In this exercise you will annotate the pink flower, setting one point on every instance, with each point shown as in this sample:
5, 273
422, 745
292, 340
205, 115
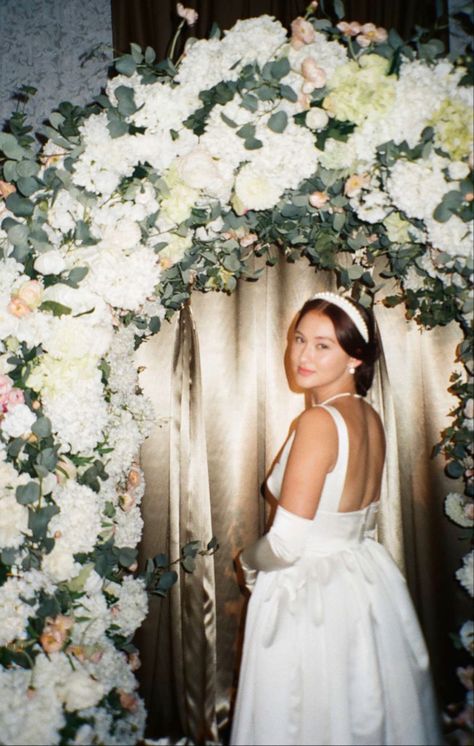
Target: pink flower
6, 189
17, 307
6, 385
128, 700
355, 183
302, 33
318, 199
188, 14
466, 676
15, 397
313, 73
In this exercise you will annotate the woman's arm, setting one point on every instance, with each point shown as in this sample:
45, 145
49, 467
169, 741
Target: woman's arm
313, 453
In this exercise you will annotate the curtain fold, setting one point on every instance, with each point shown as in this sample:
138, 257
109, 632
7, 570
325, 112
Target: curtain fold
193, 600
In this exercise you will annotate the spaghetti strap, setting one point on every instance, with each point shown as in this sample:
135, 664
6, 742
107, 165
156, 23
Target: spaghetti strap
335, 480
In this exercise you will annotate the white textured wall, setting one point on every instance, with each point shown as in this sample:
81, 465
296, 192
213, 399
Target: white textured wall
42, 43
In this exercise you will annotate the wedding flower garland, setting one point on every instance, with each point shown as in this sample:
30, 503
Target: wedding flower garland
338, 144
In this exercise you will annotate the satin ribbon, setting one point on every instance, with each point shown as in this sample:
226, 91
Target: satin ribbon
193, 599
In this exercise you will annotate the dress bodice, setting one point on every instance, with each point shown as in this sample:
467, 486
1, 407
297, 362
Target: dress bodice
332, 529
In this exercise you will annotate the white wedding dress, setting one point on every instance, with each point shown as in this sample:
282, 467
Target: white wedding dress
333, 652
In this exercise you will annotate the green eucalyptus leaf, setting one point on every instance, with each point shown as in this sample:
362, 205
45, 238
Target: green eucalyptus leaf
28, 493
253, 143
126, 65
188, 564
166, 581
339, 9
28, 185
18, 234
287, 92
19, 206
27, 168
278, 121
280, 68
247, 130
10, 171
11, 147
38, 521
250, 102
136, 52
42, 427
125, 101
150, 55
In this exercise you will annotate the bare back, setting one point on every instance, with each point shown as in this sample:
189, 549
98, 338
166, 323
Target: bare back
366, 454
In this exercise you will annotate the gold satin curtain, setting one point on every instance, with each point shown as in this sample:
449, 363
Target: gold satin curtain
241, 416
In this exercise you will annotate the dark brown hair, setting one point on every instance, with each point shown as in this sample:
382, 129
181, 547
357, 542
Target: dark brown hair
350, 338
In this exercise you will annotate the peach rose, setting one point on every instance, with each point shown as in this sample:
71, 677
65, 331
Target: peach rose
17, 307
6, 385
134, 661
6, 189
318, 199
134, 478
30, 293
128, 700
302, 33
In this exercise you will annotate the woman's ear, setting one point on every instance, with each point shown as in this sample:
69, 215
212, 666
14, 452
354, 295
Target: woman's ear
354, 363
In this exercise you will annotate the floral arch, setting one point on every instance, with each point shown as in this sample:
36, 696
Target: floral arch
340, 144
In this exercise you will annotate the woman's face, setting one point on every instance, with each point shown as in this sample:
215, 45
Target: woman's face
317, 359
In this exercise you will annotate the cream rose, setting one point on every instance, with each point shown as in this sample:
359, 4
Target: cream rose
316, 119
50, 263
254, 191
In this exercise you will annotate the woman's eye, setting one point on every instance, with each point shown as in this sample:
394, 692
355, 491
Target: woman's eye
298, 340
322, 346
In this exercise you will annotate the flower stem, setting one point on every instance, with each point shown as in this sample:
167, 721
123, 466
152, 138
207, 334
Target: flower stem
175, 39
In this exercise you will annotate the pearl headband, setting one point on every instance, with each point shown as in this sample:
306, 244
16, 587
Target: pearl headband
347, 307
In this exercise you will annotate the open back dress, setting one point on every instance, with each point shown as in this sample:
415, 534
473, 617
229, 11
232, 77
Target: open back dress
333, 652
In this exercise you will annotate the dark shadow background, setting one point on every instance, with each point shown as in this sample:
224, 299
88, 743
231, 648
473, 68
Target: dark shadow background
153, 22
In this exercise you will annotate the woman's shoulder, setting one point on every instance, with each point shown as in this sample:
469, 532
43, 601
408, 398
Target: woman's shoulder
315, 421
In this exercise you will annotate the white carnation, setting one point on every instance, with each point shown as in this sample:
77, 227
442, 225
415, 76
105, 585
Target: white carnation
254, 190
200, 171
465, 574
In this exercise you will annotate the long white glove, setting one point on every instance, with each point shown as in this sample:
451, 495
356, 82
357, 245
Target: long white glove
281, 547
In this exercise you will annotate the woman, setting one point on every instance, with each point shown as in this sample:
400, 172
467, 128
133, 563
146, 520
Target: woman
333, 651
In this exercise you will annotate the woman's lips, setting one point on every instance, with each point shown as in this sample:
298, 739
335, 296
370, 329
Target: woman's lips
305, 372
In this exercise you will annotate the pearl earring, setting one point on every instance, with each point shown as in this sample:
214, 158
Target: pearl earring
351, 370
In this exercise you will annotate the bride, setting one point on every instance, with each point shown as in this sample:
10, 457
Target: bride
333, 653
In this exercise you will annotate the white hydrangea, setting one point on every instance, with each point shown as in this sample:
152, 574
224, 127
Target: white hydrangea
128, 527
455, 237
112, 669
18, 421
465, 574
252, 40
104, 161
328, 55
123, 279
65, 211
94, 616
371, 206
417, 187
124, 438
14, 611
457, 506
78, 521
42, 715
72, 397
13, 520
132, 605
420, 90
